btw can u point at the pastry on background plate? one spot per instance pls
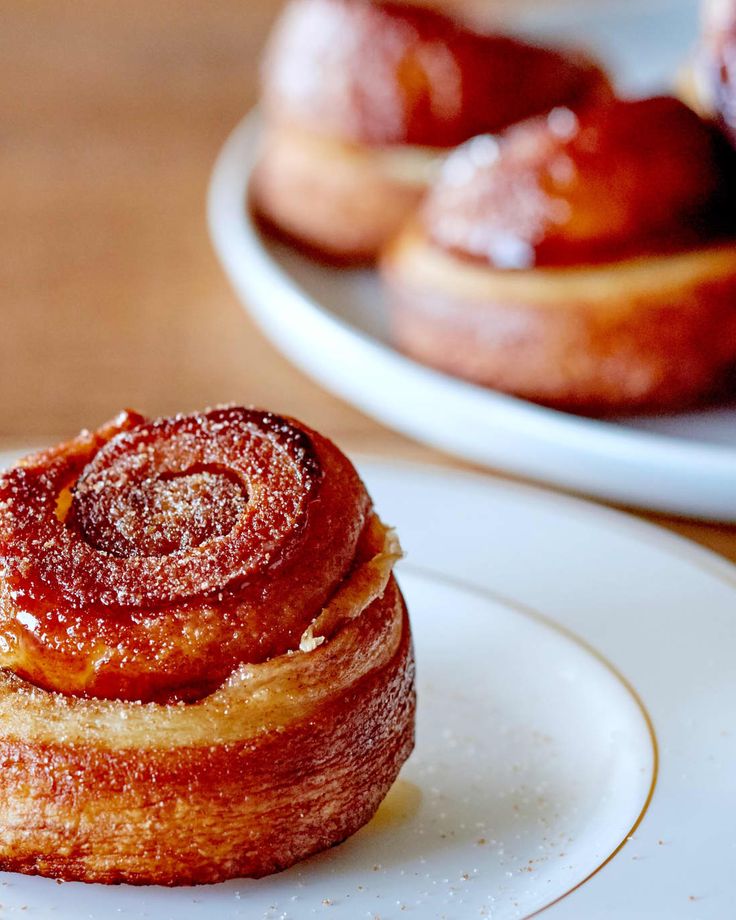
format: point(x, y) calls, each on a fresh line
point(710, 79)
point(586, 261)
point(207, 668)
point(363, 98)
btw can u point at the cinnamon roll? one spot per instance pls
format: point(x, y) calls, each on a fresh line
point(586, 261)
point(206, 663)
point(363, 98)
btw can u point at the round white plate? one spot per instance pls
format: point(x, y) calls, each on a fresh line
point(576, 738)
point(331, 323)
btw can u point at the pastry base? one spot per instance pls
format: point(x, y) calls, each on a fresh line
point(340, 201)
point(287, 758)
point(640, 334)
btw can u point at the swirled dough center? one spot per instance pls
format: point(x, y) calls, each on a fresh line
point(160, 515)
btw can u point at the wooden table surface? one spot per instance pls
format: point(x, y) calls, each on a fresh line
point(110, 118)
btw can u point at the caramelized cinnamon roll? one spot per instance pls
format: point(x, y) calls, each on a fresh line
point(362, 99)
point(206, 662)
point(586, 261)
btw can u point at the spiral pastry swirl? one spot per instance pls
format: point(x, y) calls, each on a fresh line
point(206, 662)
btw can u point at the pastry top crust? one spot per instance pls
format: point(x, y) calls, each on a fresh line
point(619, 180)
point(257, 699)
point(148, 560)
point(386, 73)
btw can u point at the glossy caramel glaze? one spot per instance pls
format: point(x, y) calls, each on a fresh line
point(384, 73)
point(147, 560)
point(616, 181)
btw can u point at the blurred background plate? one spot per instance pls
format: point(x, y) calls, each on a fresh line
point(331, 323)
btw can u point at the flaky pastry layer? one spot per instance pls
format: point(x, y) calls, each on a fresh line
point(288, 757)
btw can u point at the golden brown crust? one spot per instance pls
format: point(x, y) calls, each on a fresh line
point(633, 334)
point(334, 726)
point(340, 201)
point(562, 263)
point(294, 749)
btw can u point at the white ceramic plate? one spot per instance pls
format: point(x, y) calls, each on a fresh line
point(576, 730)
point(332, 323)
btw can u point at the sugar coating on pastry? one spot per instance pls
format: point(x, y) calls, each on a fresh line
point(205, 662)
point(623, 179)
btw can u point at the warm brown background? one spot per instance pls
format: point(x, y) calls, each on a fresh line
point(110, 117)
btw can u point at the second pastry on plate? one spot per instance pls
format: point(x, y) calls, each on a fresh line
point(583, 260)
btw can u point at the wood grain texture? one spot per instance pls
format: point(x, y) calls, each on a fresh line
point(111, 293)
